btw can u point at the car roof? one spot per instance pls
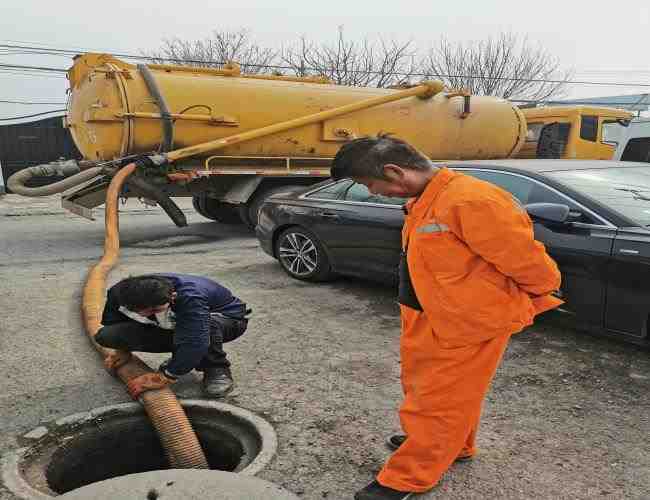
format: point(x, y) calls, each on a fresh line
point(545, 166)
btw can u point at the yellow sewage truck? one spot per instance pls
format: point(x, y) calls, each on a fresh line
point(229, 139)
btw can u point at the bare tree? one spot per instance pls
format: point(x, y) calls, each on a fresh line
point(356, 63)
point(222, 47)
point(507, 67)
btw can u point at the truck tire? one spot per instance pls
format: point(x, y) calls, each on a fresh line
point(252, 208)
point(220, 211)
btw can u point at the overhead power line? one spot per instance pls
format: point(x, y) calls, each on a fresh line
point(37, 68)
point(532, 80)
point(53, 51)
point(32, 103)
point(31, 116)
point(23, 74)
point(31, 45)
point(32, 49)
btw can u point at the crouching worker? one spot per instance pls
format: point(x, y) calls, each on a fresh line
point(189, 316)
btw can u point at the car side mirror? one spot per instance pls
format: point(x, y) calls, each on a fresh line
point(548, 212)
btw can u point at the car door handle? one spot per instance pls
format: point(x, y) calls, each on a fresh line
point(329, 215)
point(628, 252)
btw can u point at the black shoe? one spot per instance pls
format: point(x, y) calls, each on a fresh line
point(375, 491)
point(397, 440)
point(217, 382)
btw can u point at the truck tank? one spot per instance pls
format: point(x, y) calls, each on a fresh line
point(229, 140)
point(113, 111)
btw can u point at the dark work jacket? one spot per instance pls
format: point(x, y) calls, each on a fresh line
point(196, 298)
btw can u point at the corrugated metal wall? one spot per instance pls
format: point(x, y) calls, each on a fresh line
point(27, 144)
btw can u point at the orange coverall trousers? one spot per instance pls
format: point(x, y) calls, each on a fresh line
point(443, 395)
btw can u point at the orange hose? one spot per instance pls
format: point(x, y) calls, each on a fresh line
point(167, 416)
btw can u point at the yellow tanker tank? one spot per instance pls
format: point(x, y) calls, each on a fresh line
point(229, 139)
point(112, 113)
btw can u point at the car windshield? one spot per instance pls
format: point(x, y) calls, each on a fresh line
point(626, 190)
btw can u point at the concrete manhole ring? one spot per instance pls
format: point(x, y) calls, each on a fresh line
point(117, 440)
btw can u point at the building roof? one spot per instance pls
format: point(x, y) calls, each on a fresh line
point(632, 102)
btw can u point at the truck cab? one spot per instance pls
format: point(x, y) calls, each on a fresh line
point(573, 132)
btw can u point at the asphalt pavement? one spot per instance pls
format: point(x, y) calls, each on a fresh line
point(568, 415)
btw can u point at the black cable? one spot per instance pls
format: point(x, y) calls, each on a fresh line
point(40, 68)
point(30, 103)
point(40, 74)
point(30, 116)
point(290, 68)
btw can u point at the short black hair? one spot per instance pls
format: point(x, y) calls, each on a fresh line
point(366, 157)
point(141, 292)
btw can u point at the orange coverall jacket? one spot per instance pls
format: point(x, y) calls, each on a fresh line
point(474, 263)
point(479, 276)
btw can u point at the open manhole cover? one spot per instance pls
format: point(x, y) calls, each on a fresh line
point(118, 440)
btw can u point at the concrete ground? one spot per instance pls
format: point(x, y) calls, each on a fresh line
point(568, 415)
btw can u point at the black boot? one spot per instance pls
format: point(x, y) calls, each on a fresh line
point(375, 491)
point(395, 441)
point(217, 382)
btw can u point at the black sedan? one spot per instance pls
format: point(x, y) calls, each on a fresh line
point(593, 216)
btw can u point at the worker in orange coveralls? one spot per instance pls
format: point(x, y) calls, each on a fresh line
point(471, 275)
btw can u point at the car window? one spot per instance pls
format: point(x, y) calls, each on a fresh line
point(335, 191)
point(360, 193)
point(589, 128)
point(527, 191)
point(519, 187)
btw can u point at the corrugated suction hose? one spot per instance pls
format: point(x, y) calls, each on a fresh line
point(167, 416)
point(69, 169)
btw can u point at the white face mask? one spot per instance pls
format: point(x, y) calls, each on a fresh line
point(166, 319)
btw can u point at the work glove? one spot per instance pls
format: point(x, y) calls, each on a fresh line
point(147, 382)
point(116, 359)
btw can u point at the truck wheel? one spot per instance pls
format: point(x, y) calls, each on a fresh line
point(301, 255)
point(216, 210)
point(196, 203)
point(252, 208)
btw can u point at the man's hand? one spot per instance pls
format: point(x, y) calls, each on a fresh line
point(116, 359)
point(147, 382)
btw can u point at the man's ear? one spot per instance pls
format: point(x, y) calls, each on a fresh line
point(393, 172)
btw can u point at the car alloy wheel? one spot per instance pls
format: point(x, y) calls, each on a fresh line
point(301, 255)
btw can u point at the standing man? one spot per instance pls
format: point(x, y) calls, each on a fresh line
point(189, 316)
point(471, 275)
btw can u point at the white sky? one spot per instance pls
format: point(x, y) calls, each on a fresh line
point(601, 41)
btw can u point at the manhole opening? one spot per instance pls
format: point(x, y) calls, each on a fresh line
point(118, 445)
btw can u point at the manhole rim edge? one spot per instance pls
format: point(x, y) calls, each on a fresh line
point(13, 480)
